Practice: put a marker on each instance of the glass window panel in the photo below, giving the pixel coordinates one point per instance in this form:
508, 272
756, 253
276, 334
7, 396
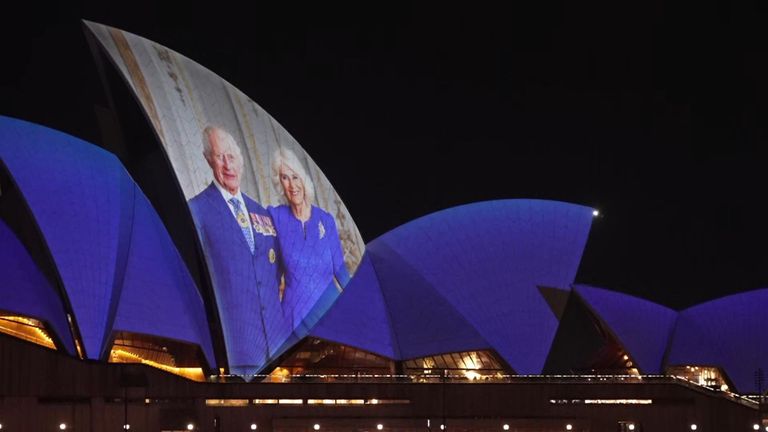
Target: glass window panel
460, 364
480, 360
227, 402
439, 362
489, 360
450, 363
470, 359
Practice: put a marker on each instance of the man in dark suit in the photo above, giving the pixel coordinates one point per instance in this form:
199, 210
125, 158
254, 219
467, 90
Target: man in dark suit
238, 239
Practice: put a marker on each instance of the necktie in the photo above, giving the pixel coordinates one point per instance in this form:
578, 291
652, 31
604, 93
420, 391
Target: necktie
242, 220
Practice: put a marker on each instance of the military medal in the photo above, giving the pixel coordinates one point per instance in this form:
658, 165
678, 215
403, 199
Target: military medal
242, 220
321, 229
262, 224
272, 256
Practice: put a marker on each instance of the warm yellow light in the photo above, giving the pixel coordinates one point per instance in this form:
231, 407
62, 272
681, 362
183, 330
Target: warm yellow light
79, 348
122, 356
27, 329
618, 401
190, 427
316, 427
227, 402
472, 375
63, 426
505, 427
569, 427
631, 426
471, 360
325, 401
280, 375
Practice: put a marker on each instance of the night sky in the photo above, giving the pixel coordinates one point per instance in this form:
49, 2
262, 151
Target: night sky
654, 113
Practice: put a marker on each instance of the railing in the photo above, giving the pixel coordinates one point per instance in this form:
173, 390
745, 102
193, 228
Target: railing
489, 379
455, 378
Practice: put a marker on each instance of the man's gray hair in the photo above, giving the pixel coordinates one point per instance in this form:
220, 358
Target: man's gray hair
284, 156
224, 138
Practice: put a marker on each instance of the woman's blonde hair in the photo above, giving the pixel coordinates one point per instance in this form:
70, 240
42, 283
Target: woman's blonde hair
284, 156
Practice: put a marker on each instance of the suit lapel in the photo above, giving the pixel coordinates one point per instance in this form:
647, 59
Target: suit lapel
223, 213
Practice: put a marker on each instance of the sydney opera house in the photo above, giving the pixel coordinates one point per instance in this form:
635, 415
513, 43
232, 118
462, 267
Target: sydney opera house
197, 271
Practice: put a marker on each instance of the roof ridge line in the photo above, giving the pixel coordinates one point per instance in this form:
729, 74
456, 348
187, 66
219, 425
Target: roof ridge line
392, 334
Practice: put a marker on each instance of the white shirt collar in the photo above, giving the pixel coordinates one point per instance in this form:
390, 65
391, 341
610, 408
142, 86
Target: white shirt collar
228, 196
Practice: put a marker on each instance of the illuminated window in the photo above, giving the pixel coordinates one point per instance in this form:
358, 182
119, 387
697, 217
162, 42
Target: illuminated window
176, 357
28, 329
618, 401
227, 402
332, 402
709, 376
387, 401
338, 402
315, 357
350, 401
471, 365
601, 401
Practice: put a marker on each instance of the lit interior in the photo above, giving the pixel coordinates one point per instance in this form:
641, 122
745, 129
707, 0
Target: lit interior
708, 376
163, 355
472, 365
318, 356
28, 329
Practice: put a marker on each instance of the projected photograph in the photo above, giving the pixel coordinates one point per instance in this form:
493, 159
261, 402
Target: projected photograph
279, 243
